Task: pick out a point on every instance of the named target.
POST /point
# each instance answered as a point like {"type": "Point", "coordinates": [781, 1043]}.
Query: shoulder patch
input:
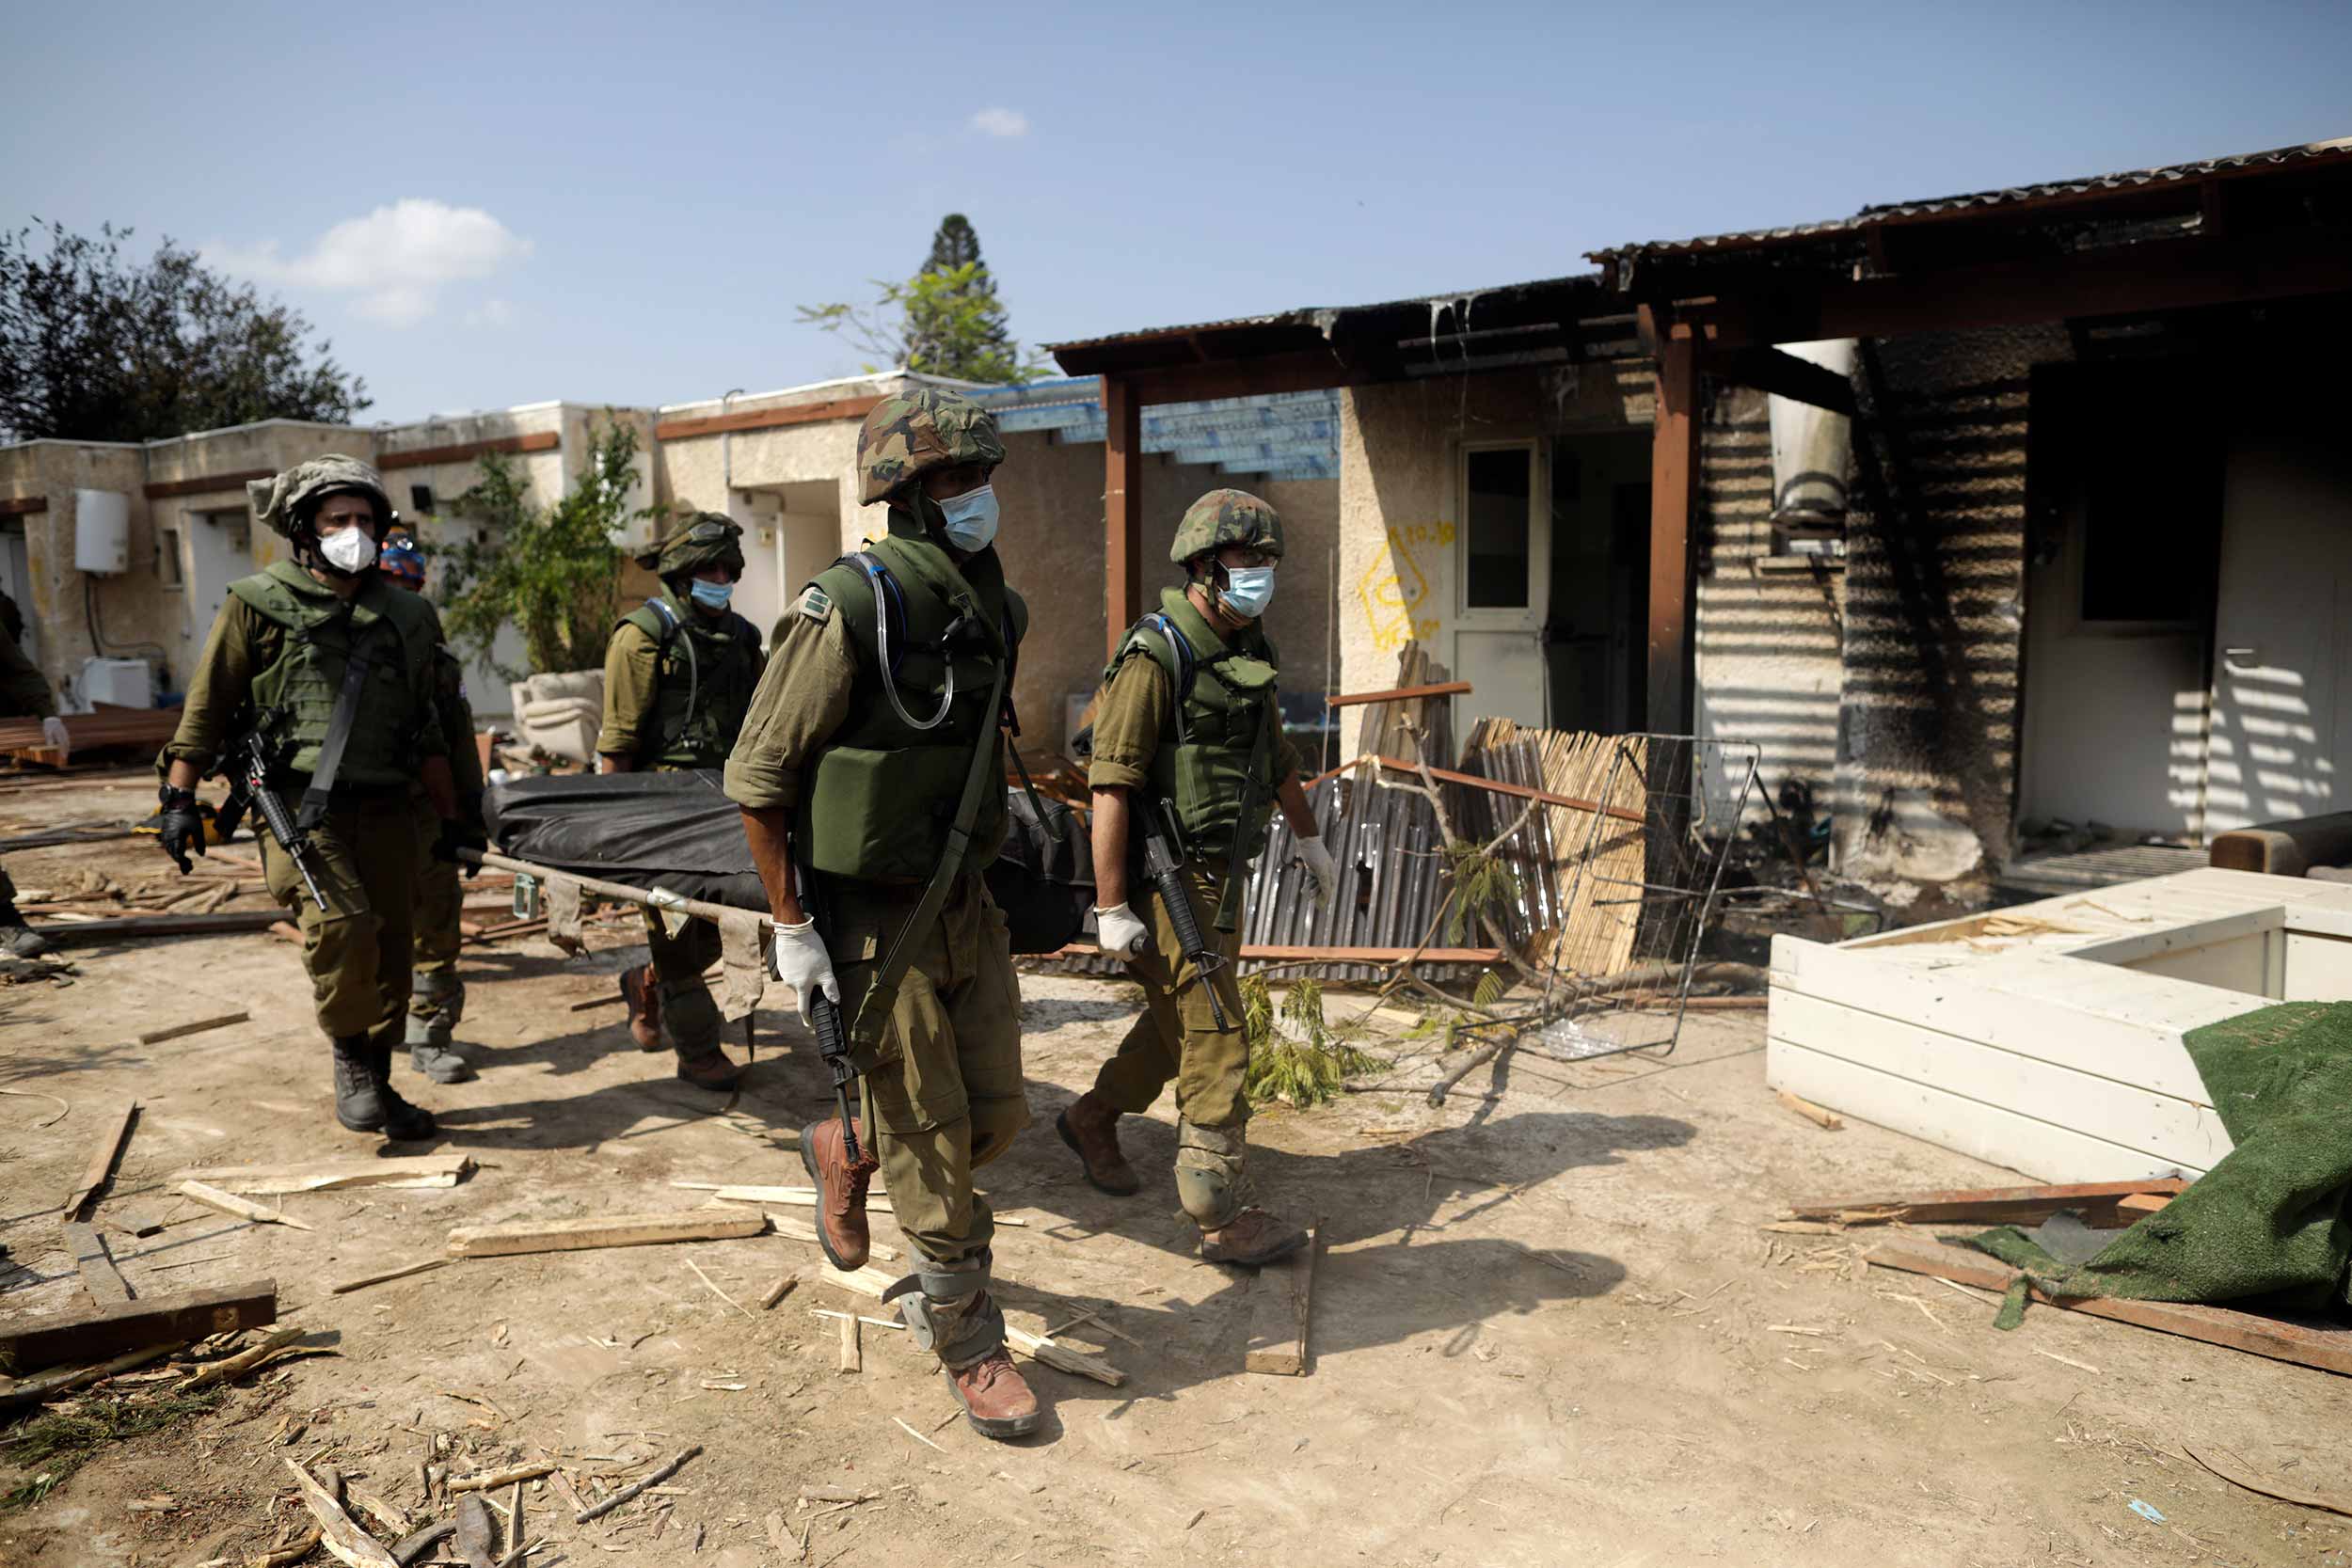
{"type": "Point", "coordinates": [814, 603]}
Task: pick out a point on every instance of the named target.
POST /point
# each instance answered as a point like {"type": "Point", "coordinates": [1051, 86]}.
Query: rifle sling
{"type": "Point", "coordinates": [882, 996]}
{"type": "Point", "coordinates": [356, 667]}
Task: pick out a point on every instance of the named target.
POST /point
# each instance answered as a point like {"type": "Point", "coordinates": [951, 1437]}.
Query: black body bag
{"type": "Point", "coordinates": [1043, 876]}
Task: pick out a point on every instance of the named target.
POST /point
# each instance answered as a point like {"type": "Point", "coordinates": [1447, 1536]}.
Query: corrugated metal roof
{"type": "Point", "coordinates": [2016, 196]}
{"type": "Point", "coordinates": [1303, 317]}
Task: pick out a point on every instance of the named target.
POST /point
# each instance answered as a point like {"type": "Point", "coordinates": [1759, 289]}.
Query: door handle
{"type": "Point", "coordinates": [2229, 657]}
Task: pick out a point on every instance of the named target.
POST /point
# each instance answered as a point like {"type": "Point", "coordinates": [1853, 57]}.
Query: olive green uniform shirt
{"type": "Point", "coordinates": [1130, 719]}
{"type": "Point", "coordinates": [803, 697]}
{"type": "Point", "coordinates": [632, 671]}
{"type": "Point", "coordinates": [243, 642]}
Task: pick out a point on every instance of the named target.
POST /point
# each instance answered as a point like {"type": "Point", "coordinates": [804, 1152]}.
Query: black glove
{"type": "Point", "coordinates": [457, 833]}
{"type": "Point", "coordinates": [180, 826]}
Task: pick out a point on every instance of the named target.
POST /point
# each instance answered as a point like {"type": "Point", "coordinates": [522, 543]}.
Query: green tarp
{"type": "Point", "coordinates": [2268, 1228]}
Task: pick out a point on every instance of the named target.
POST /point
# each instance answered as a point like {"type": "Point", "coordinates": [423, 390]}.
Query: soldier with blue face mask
{"type": "Point", "coordinates": [678, 678]}
{"type": "Point", "coordinates": [1189, 747]}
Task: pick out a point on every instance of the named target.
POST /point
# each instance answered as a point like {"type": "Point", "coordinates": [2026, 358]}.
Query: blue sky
{"type": "Point", "coordinates": [496, 203]}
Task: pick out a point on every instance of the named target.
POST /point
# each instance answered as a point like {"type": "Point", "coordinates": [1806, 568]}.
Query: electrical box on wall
{"type": "Point", "coordinates": [101, 532]}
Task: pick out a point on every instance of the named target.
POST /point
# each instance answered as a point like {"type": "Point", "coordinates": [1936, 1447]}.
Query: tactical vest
{"type": "Point", "coordinates": [705, 673]}
{"type": "Point", "coordinates": [883, 792]}
{"type": "Point", "coordinates": [295, 692]}
{"type": "Point", "coordinates": [1216, 748]}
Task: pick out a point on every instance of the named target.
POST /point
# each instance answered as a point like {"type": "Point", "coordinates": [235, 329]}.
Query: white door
{"type": "Point", "coordinates": [1502, 581]}
{"type": "Point", "coordinates": [2283, 671]}
{"type": "Point", "coordinates": [219, 550]}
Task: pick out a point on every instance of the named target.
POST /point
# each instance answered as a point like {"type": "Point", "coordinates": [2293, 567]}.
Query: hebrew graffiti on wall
{"type": "Point", "coordinates": [1394, 589]}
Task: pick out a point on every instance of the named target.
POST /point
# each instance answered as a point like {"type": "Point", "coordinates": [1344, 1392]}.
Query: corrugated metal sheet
{"type": "Point", "coordinates": [2015, 195]}
{"type": "Point", "coordinates": [1285, 434]}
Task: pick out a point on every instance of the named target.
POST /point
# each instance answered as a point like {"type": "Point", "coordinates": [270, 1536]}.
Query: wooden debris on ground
{"type": "Point", "coordinates": [1062, 1358]}
{"type": "Point", "coordinates": [2327, 1348]}
{"type": "Point", "coordinates": [635, 1489]}
{"type": "Point", "coordinates": [96, 1266]}
{"type": "Point", "coordinates": [853, 1358]}
{"type": "Point", "coordinates": [182, 1317]}
{"type": "Point", "coordinates": [499, 1241]}
{"type": "Point", "coordinates": [2239, 1475]}
{"type": "Point", "coordinates": [18, 1392]}
{"type": "Point", "coordinates": [344, 1538]}
{"type": "Point", "coordinates": [134, 927]}
{"type": "Point", "coordinates": [491, 1479]}
{"type": "Point", "coordinates": [1280, 1302]}
{"type": "Point", "coordinates": [1827, 1120]}
{"type": "Point", "coordinates": [2100, 1203]}
{"type": "Point", "coordinates": [133, 1222]}
{"type": "Point", "coordinates": [244, 1361]}
{"type": "Point", "coordinates": [110, 1139]}
{"type": "Point", "coordinates": [228, 1203]}
{"type": "Point", "coordinates": [180, 1031]}
{"type": "Point", "coordinates": [784, 1287]}
{"type": "Point", "coordinates": [428, 1170]}
{"type": "Point", "coordinates": [403, 1271]}
{"type": "Point", "coordinates": [800, 1230]}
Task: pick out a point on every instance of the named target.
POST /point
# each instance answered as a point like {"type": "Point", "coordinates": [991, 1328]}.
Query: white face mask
{"type": "Point", "coordinates": [969, 520]}
{"type": "Point", "coordinates": [349, 549]}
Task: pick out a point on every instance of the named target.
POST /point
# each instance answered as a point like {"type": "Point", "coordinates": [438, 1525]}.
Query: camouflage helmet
{"type": "Point", "coordinates": [694, 540]}
{"type": "Point", "coordinates": [910, 434]}
{"type": "Point", "coordinates": [1224, 517]}
{"type": "Point", "coordinates": [286, 500]}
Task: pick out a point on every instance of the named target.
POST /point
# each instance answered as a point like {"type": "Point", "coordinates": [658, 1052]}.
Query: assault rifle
{"type": "Point", "coordinates": [247, 763]}
{"type": "Point", "coordinates": [1164, 856]}
{"type": "Point", "coordinates": [824, 1018]}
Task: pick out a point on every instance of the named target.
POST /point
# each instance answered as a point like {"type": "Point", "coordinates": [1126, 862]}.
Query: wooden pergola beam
{"type": "Point", "coordinates": [1122, 510]}
{"type": "Point", "coordinates": [1674, 475]}
{"type": "Point", "coordinates": [1783, 374]}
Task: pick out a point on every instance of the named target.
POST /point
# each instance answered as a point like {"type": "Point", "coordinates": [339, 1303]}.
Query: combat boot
{"type": "Point", "coordinates": [996, 1399]}
{"type": "Point", "coordinates": [19, 939]}
{"type": "Point", "coordinates": [357, 1104]}
{"type": "Point", "coordinates": [643, 996]}
{"type": "Point", "coordinates": [430, 1051]}
{"type": "Point", "coordinates": [402, 1121]}
{"type": "Point", "coordinates": [841, 1227]}
{"type": "Point", "coordinates": [709, 1069]}
{"type": "Point", "coordinates": [1090, 1128]}
{"type": "Point", "coordinates": [1251, 1237]}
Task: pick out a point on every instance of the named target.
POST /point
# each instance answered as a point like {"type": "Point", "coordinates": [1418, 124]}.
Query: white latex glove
{"type": "Point", "coordinates": [798, 957]}
{"type": "Point", "coordinates": [1118, 932]}
{"type": "Point", "coordinates": [53, 734]}
{"type": "Point", "coordinates": [1319, 861]}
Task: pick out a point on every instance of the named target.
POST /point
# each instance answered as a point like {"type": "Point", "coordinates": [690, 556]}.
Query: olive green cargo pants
{"type": "Point", "coordinates": [357, 950]}
{"type": "Point", "coordinates": [946, 1097]}
{"type": "Point", "coordinates": [433, 939]}
{"type": "Point", "coordinates": [1176, 1036]}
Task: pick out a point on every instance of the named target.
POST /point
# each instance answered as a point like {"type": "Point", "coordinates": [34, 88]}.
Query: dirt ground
{"type": "Point", "coordinates": [1547, 1327]}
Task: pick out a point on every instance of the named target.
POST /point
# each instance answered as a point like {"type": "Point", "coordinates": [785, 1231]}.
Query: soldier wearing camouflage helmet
{"type": "Point", "coordinates": [336, 670]}
{"type": "Point", "coordinates": [678, 681]}
{"type": "Point", "coordinates": [870, 775]}
{"type": "Point", "coordinates": [1186, 727]}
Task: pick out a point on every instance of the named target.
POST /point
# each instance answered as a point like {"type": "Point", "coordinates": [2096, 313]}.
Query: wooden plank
{"type": "Point", "coordinates": [853, 1358]}
{"type": "Point", "coordinates": [1995, 1133]}
{"type": "Point", "coordinates": [2138, 1205]}
{"type": "Point", "coordinates": [139, 927]}
{"type": "Point", "coordinates": [466, 452]}
{"type": "Point", "coordinates": [2306, 1345]}
{"type": "Point", "coordinates": [1523, 792]}
{"type": "Point", "coordinates": [206, 484]}
{"type": "Point", "coordinates": [1122, 510]}
{"type": "Point", "coordinates": [500, 1241]}
{"type": "Point", "coordinates": [102, 1163]}
{"type": "Point", "coordinates": [1280, 1304]}
{"type": "Point", "coordinates": [1829, 1121]}
{"type": "Point", "coordinates": [1077, 1363]}
{"type": "Point", "coordinates": [17, 1392]}
{"type": "Point", "coordinates": [100, 1278]}
{"type": "Point", "coordinates": [429, 1170]}
{"type": "Point", "coordinates": [1674, 472]}
{"type": "Point", "coordinates": [227, 1203]}
{"type": "Point", "coordinates": [2178, 1130]}
{"type": "Point", "coordinates": [1986, 1205]}
{"type": "Point", "coordinates": [345, 1539]}
{"type": "Point", "coordinates": [28, 1343]}
{"type": "Point", "coordinates": [22, 506]}
{"type": "Point", "coordinates": [1783, 374]}
{"type": "Point", "coordinates": [1442, 689]}
{"type": "Point", "coordinates": [766, 419]}
{"type": "Point", "coordinates": [363, 1281]}
{"type": "Point", "coordinates": [180, 1031]}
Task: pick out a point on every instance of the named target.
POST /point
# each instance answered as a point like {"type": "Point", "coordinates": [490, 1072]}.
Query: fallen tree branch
{"type": "Point", "coordinates": [630, 1492]}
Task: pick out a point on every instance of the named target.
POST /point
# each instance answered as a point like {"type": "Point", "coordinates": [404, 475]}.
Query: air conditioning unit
{"type": "Point", "coordinates": [117, 682]}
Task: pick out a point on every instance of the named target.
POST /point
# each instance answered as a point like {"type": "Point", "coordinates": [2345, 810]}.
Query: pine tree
{"type": "Point", "coordinates": [945, 320]}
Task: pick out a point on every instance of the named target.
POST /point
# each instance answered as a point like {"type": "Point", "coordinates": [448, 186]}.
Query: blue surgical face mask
{"type": "Point", "coordinates": [969, 520]}
{"type": "Point", "coordinates": [712, 596]}
{"type": "Point", "coordinates": [1248, 590]}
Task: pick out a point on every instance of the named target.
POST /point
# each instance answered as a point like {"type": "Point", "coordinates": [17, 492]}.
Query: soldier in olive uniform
{"type": "Point", "coordinates": [437, 997]}
{"type": "Point", "coordinates": [23, 694]}
{"type": "Point", "coordinates": [876, 723]}
{"type": "Point", "coordinates": [335, 666]}
{"type": "Point", "coordinates": [1186, 721]}
{"type": "Point", "coordinates": [678, 681]}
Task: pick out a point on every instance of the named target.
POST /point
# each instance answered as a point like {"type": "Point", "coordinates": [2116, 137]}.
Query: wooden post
{"type": "Point", "coordinates": [1673, 480]}
{"type": "Point", "coordinates": [1122, 510]}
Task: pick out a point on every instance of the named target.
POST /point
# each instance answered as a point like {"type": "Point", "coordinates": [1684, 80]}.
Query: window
{"type": "Point", "coordinates": [167, 557]}
{"type": "Point", "coordinates": [1497, 555]}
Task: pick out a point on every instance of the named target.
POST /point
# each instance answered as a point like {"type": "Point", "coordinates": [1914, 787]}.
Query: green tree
{"type": "Point", "coordinates": [553, 573]}
{"type": "Point", "coordinates": [95, 347]}
{"type": "Point", "coordinates": [943, 321]}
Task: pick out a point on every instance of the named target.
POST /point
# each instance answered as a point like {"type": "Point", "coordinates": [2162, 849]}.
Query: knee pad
{"type": "Point", "coordinates": [1212, 1173]}
{"type": "Point", "coordinates": [948, 1311]}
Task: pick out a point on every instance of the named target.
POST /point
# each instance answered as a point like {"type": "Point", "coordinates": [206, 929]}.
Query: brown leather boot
{"type": "Point", "coordinates": [1090, 1128]}
{"type": "Point", "coordinates": [709, 1069]}
{"type": "Point", "coordinates": [840, 1191]}
{"type": "Point", "coordinates": [996, 1399]}
{"type": "Point", "coordinates": [643, 996]}
{"type": "Point", "coordinates": [1250, 1237]}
